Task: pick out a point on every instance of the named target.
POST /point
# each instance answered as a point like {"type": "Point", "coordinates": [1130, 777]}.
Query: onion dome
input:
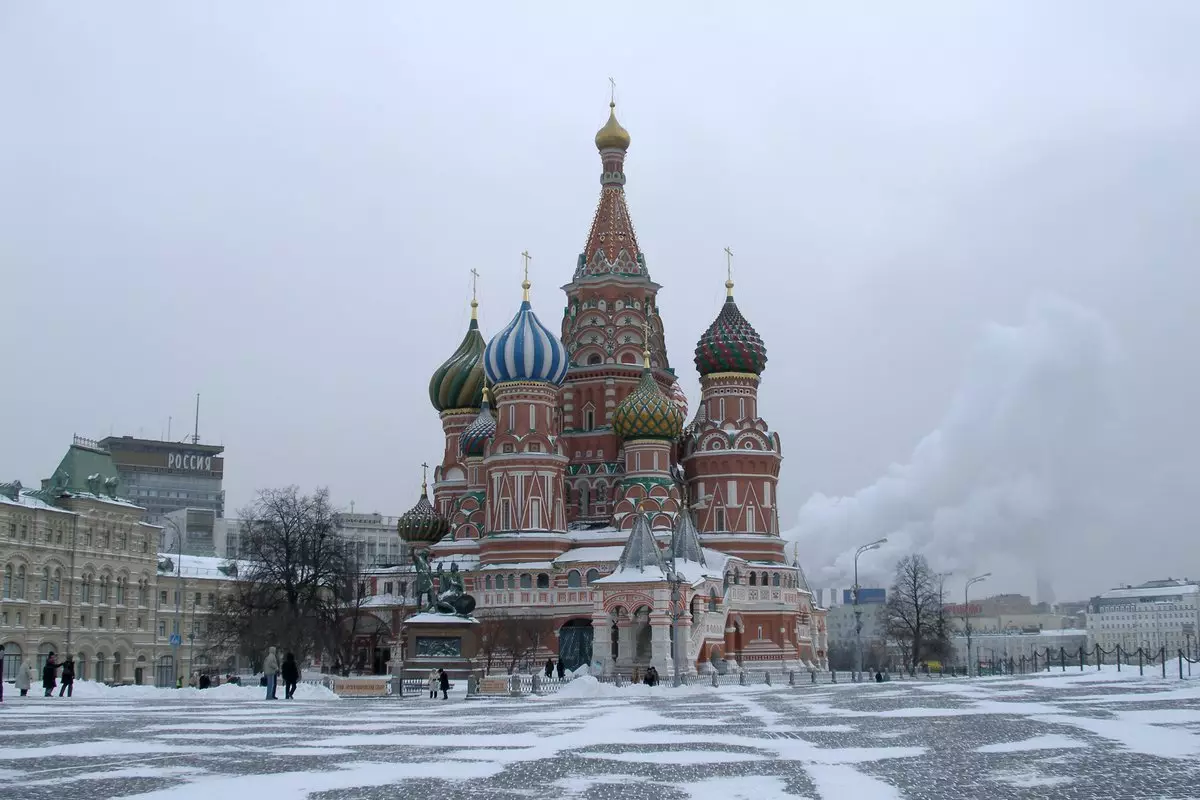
{"type": "Point", "coordinates": [679, 398]}
{"type": "Point", "coordinates": [647, 413]}
{"type": "Point", "coordinates": [525, 350]}
{"type": "Point", "coordinates": [422, 524]}
{"type": "Point", "coordinates": [458, 383]}
{"type": "Point", "coordinates": [474, 437]}
{"type": "Point", "coordinates": [612, 135]}
{"type": "Point", "coordinates": [730, 344]}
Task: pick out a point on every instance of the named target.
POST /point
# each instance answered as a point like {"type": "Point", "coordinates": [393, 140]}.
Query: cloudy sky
{"type": "Point", "coordinates": [967, 233]}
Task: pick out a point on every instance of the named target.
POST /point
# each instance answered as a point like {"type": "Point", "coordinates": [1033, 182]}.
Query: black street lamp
{"type": "Point", "coordinates": [967, 612]}
{"type": "Point", "coordinates": [858, 614]}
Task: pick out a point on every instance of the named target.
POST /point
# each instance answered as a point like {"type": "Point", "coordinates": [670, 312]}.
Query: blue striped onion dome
{"type": "Point", "coordinates": [647, 413]}
{"type": "Point", "coordinates": [458, 383]}
{"type": "Point", "coordinates": [525, 350]}
{"type": "Point", "coordinates": [474, 438]}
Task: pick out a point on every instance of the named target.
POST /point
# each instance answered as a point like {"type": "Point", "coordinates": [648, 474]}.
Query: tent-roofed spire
{"type": "Point", "coordinates": [685, 539]}
{"type": "Point", "coordinates": [641, 551]}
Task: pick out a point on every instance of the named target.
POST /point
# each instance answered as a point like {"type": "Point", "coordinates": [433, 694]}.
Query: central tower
{"type": "Point", "coordinates": [611, 316]}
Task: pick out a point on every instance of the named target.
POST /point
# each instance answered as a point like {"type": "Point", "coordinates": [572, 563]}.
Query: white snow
{"type": "Point", "coordinates": [1051, 741]}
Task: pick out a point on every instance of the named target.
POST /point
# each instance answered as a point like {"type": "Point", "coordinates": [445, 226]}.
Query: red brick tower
{"type": "Point", "coordinates": [730, 457]}
{"type": "Point", "coordinates": [610, 300]}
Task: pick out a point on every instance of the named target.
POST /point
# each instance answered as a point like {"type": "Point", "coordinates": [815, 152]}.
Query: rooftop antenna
{"type": "Point", "coordinates": [196, 433]}
{"type": "Point", "coordinates": [168, 429]}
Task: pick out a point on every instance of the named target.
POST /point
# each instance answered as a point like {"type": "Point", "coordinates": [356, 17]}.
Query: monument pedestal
{"type": "Point", "coordinates": [439, 641]}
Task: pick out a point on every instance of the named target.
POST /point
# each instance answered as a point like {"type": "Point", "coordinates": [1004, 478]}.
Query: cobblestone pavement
{"type": "Point", "coordinates": [1091, 735]}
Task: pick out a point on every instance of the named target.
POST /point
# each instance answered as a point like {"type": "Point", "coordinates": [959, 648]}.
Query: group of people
{"type": "Point", "coordinates": [438, 681]}
{"type": "Point", "coordinates": [273, 670]}
{"type": "Point", "coordinates": [52, 674]}
{"type": "Point", "coordinates": [550, 668]}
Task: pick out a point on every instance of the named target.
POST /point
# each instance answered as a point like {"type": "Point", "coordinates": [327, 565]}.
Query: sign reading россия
{"type": "Point", "coordinates": [190, 461]}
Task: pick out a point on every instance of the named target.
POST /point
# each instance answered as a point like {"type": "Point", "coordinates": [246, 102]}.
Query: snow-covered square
{"type": "Point", "coordinates": [1089, 734]}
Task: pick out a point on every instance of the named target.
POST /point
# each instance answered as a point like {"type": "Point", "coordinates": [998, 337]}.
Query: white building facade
{"type": "Point", "coordinates": [1154, 615]}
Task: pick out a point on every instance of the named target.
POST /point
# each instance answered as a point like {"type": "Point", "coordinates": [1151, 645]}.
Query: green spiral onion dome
{"type": "Point", "coordinates": [474, 438]}
{"type": "Point", "coordinates": [422, 524]}
{"type": "Point", "coordinates": [730, 344]}
{"type": "Point", "coordinates": [458, 383]}
{"type": "Point", "coordinates": [647, 413]}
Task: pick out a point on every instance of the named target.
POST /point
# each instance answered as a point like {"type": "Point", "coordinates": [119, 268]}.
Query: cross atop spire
{"type": "Point", "coordinates": [424, 478]}
{"type": "Point", "coordinates": [474, 293]}
{"type": "Point", "coordinates": [729, 272]}
{"type": "Point", "coordinates": [525, 284]}
{"type": "Point", "coordinates": [646, 342]}
{"type": "Point", "coordinates": [612, 97]}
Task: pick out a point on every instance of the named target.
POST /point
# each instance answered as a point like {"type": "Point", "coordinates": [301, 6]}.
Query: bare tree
{"type": "Point", "coordinates": [913, 607]}
{"type": "Point", "coordinates": [294, 580]}
{"type": "Point", "coordinates": [512, 640]}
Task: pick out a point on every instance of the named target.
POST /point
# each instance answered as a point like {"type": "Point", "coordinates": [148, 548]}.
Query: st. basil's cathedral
{"type": "Point", "coordinates": [573, 488]}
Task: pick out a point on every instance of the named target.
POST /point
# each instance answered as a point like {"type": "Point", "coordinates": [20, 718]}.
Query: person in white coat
{"type": "Point", "coordinates": [271, 671]}
{"type": "Point", "coordinates": [434, 680]}
{"type": "Point", "coordinates": [24, 679]}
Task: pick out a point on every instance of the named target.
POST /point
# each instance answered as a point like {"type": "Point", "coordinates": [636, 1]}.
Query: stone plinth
{"type": "Point", "coordinates": [438, 641]}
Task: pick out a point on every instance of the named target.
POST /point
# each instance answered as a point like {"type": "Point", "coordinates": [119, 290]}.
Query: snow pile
{"type": "Point", "coordinates": [586, 686]}
{"type": "Point", "coordinates": [91, 690]}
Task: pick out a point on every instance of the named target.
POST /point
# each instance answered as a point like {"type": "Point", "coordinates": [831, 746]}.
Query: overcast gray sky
{"type": "Point", "coordinates": [277, 205]}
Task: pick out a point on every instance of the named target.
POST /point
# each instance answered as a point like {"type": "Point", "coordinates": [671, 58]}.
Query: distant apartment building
{"type": "Point", "coordinates": [1161, 613]}
{"type": "Point", "coordinates": [167, 476]}
{"type": "Point", "coordinates": [840, 627]}
{"type": "Point", "coordinates": [374, 538]}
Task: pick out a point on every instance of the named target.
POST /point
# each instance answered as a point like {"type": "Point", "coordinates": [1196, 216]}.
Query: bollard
{"type": "Point", "coordinates": [514, 684]}
{"type": "Point", "coordinates": [715, 682]}
{"type": "Point", "coordinates": [791, 677]}
{"type": "Point", "coordinates": [472, 685]}
{"type": "Point", "coordinates": [768, 677]}
{"type": "Point", "coordinates": [741, 679]}
{"type": "Point", "coordinates": [833, 675]}
{"type": "Point", "coordinates": [537, 683]}
{"type": "Point", "coordinates": [813, 673]}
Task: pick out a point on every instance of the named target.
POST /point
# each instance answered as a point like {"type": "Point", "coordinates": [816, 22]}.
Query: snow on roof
{"type": "Point", "coordinates": [650, 574]}
{"type": "Point", "coordinates": [465, 562]}
{"type": "Point", "coordinates": [104, 498]}
{"type": "Point", "coordinates": [597, 533]}
{"type": "Point", "coordinates": [606, 554]}
{"type": "Point", "coordinates": [544, 565]}
{"type": "Point", "coordinates": [383, 600]}
{"type": "Point", "coordinates": [198, 566]}
{"type": "Point", "coordinates": [1151, 591]}
{"type": "Point", "coordinates": [27, 500]}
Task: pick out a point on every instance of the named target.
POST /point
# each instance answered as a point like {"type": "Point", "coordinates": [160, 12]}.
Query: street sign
{"type": "Point", "coordinates": [176, 640]}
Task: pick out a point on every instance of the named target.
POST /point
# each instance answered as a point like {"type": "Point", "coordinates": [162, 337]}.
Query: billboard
{"type": "Point", "coordinates": [864, 596]}
{"type": "Point", "coordinates": [960, 610]}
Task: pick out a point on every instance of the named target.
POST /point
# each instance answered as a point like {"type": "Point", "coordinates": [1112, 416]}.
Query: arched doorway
{"type": "Point", "coordinates": [642, 634]}
{"type": "Point", "coordinates": [575, 643]}
{"type": "Point", "coordinates": [139, 671]}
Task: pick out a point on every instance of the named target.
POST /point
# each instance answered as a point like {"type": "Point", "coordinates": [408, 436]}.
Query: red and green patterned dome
{"type": "Point", "coordinates": [647, 413]}
{"type": "Point", "coordinates": [730, 344]}
{"type": "Point", "coordinates": [422, 524]}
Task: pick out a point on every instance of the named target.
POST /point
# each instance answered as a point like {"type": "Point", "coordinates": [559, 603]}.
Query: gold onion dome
{"type": "Point", "coordinates": [422, 524]}
{"type": "Point", "coordinates": [647, 413]}
{"type": "Point", "coordinates": [458, 382]}
{"type": "Point", "coordinates": [612, 135]}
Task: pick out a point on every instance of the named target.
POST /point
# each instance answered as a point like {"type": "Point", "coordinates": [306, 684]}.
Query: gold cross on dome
{"type": "Point", "coordinates": [424, 476]}
{"type": "Point", "coordinates": [612, 98]}
{"type": "Point", "coordinates": [728, 264]}
{"type": "Point", "coordinates": [525, 255]}
{"type": "Point", "coordinates": [474, 283]}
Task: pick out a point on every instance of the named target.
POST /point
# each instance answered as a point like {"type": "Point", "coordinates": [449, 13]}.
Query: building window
{"type": "Point", "coordinates": [775, 579]}
{"type": "Point", "coordinates": [543, 581]}
{"type": "Point", "coordinates": [19, 591]}
{"type": "Point", "coordinates": [573, 579]}
{"type": "Point", "coordinates": [589, 420]}
{"type": "Point", "coordinates": [162, 629]}
{"type": "Point", "coordinates": [8, 580]}
{"type": "Point", "coordinates": [85, 589]}
{"type": "Point", "coordinates": [100, 621]}
{"type": "Point", "coordinates": [45, 594]}
{"type": "Point", "coordinates": [753, 579]}
{"type": "Point", "coordinates": [511, 585]}
{"type": "Point", "coordinates": [197, 599]}
{"type": "Point", "coordinates": [120, 591]}
{"type": "Point", "coordinates": [592, 576]}
{"type": "Point", "coordinates": [720, 519]}
{"type": "Point", "coordinates": [487, 583]}
{"type": "Point", "coordinates": [162, 598]}
{"type": "Point", "coordinates": [526, 581]}
{"type": "Point", "coordinates": [56, 585]}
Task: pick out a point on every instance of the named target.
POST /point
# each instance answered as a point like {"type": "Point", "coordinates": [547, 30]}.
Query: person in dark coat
{"type": "Point", "coordinates": [205, 681]}
{"type": "Point", "coordinates": [291, 675]}
{"type": "Point", "coordinates": [549, 667]}
{"type": "Point", "coordinates": [444, 683]}
{"type": "Point", "coordinates": [68, 678]}
{"type": "Point", "coordinates": [878, 677]}
{"type": "Point", "coordinates": [562, 671]}
{"type": "Point", "coordinates": [48, 673]}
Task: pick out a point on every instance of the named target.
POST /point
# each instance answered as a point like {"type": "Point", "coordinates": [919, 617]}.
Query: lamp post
{"type": "Point", "coordinates": [967, 612]}
{"type": "Point", "coordinates": [858, 614]}
{"type": "Point", "coordinates": [175, 638]}
{"type": "Point", "coordinates": [676, 583]}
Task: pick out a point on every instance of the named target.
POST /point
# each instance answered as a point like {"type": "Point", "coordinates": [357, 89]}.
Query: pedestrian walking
{"type": "Point", "coordinates": [68, 678]}
{"type": "Point", "coordinates": [291, 675]}
{"type": "Point", "coordinates": [433, 680]}
{"type": "Point", "coordinates": [549, 667]}
{"type": "Point", "coordinates": [444, 683]}
{"type": "Point", "coordinates": [24, 678]}
{"type": "Point", "coordinates": [270, 671]}
{"type": "Point", "coordinates": [48, 673]}
{"type": "Point", "coordinates": [562, 671]}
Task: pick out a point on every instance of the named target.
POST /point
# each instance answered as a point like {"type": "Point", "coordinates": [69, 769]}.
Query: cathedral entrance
{"type": "Point", "coordinates": [575, 643]}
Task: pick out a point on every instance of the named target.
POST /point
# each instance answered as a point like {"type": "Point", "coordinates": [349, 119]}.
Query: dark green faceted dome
{"type": "Point", "coordinates": [458, 383]}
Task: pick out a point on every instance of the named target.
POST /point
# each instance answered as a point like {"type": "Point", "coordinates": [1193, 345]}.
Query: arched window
{"type": "Point", "coordinates": [45, 595]}
{"type": "Point", "coordinates": [526, 581]}
{"type": "Point", "coordinates": [120, 591]}
{"type": "Point", "coordinates": [511, 582]}
{"type": "Point", "coordinates": [737, 576]}
{"type": "Point", "coordinates": [753, 579]}
{"type": "Point", "coordinates": [8, 576]}
{"type": "Point", "coordinates": [103, 600]}
{"type": "Point", "coordinates": [100, 666]}
{"type": "Point", "coordinates": [762, 579]}
{"type": "Point", "coordinates": [487, 583]}
{"type": "Point", "coordinates": [543, 581]}
{"type": "Point", "coordinates": [56, 585]}
{"type": "Point", "coordinates": [594, 359]}
{"type": "Point", "coordinates": [775, 579]}
{"type": "Point", "coordinates": [712, 599]}
{"type": "Point", "coordinates": [573, 579]}
{"type": "Point", "coordinates": [85, 589]}
{"type": "Point", "coordinates": [592, 576]}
